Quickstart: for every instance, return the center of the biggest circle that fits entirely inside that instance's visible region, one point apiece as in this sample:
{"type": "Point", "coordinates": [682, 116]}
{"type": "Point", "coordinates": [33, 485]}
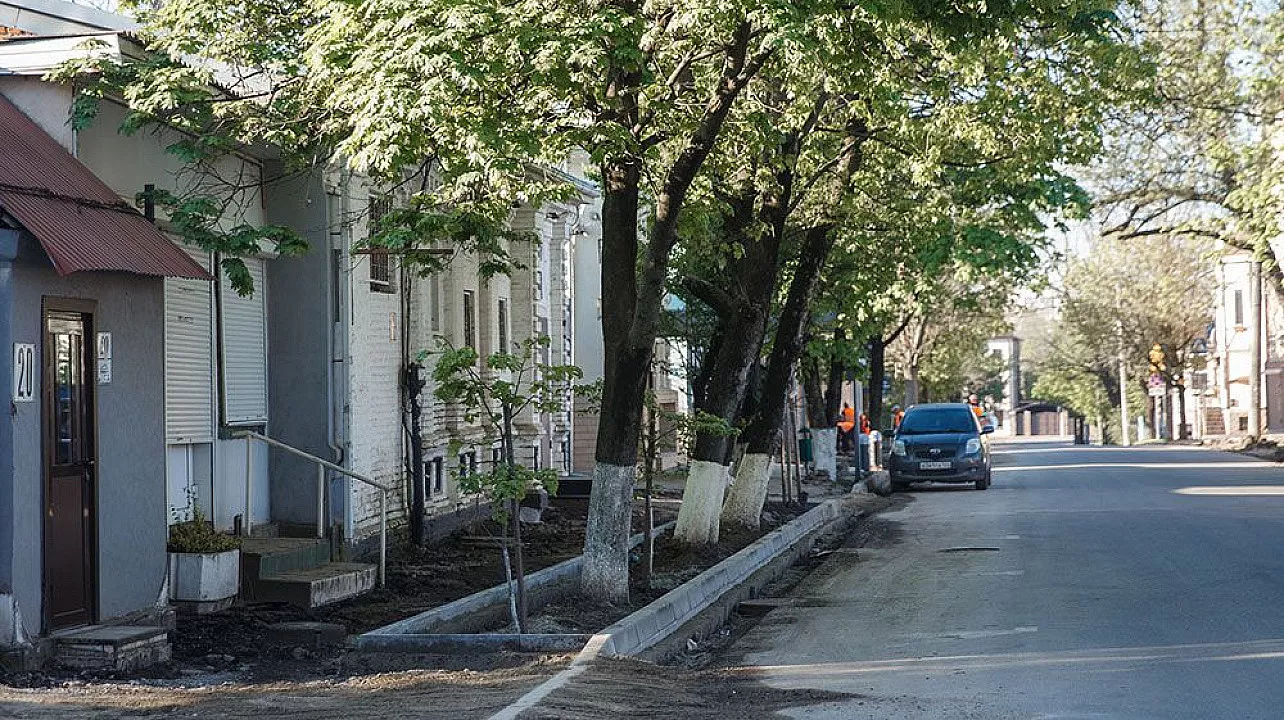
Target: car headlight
{"type": "Point", "coordinates": [898, 448]}
{"type": "Point", "coordinates": [973, 447]}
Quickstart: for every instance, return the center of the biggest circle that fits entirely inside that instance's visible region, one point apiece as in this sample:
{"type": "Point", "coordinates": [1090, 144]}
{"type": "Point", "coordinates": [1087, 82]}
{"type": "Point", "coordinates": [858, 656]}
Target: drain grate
{"type": "Point", "coordinates": [969, 549]}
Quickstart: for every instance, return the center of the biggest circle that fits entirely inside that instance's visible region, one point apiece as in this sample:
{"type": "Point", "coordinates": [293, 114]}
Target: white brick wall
{"type": "Point", "coordinates": [376, 442]}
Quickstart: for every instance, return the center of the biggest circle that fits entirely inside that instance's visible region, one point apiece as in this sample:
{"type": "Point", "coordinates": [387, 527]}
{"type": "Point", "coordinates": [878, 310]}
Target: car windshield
{"type": "Point", "coordinates": [938, 420]}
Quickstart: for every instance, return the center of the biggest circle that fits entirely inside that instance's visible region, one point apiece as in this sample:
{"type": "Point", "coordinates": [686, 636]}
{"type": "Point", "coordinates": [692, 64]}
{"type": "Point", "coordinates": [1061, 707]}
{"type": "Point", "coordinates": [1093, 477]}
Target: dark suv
{"type": "Point", "coordinates": [941, 443]}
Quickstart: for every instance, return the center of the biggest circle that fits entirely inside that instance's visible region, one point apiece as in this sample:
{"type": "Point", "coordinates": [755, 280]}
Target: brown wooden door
{"type": "Point", "coordinates": [70, 455]}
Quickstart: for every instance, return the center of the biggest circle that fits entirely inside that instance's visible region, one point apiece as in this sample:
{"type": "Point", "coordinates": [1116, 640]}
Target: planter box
{"type": "Point", "coordinates": [204, 582]}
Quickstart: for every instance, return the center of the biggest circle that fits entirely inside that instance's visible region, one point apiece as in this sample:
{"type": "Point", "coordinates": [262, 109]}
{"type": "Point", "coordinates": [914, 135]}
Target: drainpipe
{"type": "Point", "coordinates": [8, 254]}
{"type": "Point", "coordinates": [341, 356]}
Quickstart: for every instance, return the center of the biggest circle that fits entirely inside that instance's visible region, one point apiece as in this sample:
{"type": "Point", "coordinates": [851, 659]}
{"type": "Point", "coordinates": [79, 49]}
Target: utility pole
{"type": "Point", "coordinates": [1123, 400]}
{"type": "Point", "coordinates": [1255, 374]}
{"type": "Point", "coordinates": [1123, 386]}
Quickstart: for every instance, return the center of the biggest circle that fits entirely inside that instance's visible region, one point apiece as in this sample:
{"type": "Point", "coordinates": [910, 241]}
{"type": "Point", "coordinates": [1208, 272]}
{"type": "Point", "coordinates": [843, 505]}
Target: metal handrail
{"type": "Point", "coordinates": [323, 465]}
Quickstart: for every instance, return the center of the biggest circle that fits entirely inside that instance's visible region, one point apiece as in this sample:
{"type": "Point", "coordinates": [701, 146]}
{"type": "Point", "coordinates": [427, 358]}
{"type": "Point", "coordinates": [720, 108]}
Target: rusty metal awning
{"type": "Point", "coordinates": [80, 222]}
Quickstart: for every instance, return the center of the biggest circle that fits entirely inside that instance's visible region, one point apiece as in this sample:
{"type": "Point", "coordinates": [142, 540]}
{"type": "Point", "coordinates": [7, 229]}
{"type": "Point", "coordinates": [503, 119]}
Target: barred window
{"type": "Point", "coordinates": [381, 278]}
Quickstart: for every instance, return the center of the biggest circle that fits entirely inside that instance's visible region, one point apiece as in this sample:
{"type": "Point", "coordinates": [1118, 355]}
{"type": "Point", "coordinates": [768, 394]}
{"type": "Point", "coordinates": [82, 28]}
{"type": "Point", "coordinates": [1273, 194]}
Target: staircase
{"type": "Point", "coordinates": [298, 571]}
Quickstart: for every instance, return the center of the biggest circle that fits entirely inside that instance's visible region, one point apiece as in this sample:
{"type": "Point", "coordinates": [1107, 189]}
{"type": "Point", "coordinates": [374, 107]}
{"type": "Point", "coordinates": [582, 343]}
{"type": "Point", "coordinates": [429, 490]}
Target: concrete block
{"type": "Point", "coordinates": [306, 634]}
{"type": "Point", "coordinates": [112, 647]}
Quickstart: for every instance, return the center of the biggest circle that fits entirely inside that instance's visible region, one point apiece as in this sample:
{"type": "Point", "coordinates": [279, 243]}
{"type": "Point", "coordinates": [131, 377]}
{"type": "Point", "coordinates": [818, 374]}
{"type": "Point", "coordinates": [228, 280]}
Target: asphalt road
{"type": "Point", "coordinates": [1086, 583]}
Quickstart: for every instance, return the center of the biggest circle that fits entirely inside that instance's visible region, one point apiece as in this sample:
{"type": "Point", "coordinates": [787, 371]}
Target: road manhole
{"type": "Point", "coordinates": [974, 548]}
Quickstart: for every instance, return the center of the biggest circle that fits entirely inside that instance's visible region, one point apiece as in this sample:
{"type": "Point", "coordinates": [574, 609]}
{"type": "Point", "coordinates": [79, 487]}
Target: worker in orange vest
{"type": "Point", "coordinates": [865, 427]}
{"type": "Point", "coordinates": [845, 427]}
{"type": "Point", "coordinates": [897, 415]}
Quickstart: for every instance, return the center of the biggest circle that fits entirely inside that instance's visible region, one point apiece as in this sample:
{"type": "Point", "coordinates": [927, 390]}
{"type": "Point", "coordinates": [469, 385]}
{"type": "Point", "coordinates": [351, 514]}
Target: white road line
{"type": "Point", "coordinates": [971, 634]}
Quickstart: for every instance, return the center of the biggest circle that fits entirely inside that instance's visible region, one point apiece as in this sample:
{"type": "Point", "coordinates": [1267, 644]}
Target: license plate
{"type": "Point", "coordinates": [935, 465]}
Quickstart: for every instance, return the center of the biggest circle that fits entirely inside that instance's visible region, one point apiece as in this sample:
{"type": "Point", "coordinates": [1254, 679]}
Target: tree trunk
{"type": "Point", "coordinates": [414, 385]}
{"type": "Point", "coordinates": [877, 374]}
{"type": "Point", "coordinates": [743, 308]}
{"type": "Point", "coordinates": [605, 573]}
{"type": "Point", "coordinates": [510, 462]}
{"type": "Point", "coordinates": [1183, 427]}
{"type": "Point", "coordinates": [763, 433]}
{"type": "Point", "coordinates": [817, 416]}
{"type": "Point", "coordinates": [632, 301]}
{"type": "Point", "coordinates": [911, 385]}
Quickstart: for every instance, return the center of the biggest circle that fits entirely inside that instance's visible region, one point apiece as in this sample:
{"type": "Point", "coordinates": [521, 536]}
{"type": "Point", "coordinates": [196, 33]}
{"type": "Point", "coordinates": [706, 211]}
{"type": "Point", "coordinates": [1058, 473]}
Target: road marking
{"type": "Point", "coordinates": [1233, 491]}
{"type": "Point", "coordinates": [972, 634]}
{"type": "Point", "coordinates": [1174, 466]}
{"type": "Point", "coordinates": [995, 573]}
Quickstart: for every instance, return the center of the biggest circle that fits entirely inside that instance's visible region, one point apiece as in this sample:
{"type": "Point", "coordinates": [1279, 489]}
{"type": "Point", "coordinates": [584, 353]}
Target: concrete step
{"type": "Point", "coordinates": [111, 647]}
{"type": "Point", "coordinates": [317, 586]}
{"type": "Point", "coordinates": [273, 555]}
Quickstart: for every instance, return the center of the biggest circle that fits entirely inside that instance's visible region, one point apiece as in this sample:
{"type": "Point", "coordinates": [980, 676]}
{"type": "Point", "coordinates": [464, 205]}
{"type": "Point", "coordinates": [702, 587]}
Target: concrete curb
{"type": "Point", "coordinates": [655, 622]}
{"type": "Point", "coordinates": [658, 621]}
{"type": "Point", "coordinates": [476, 642]}
{"type": "Point", "coordinates": [484, 609]}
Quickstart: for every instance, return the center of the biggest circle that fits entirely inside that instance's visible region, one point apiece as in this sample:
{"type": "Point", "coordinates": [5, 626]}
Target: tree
{"type": "Point", "coordinates": [1121, 298]}
{"type": "Point", "coordinates": [485, 93]}
{"type": "Point", "coordinates": [1200, 156]}
{"type": "Point", "coordinates": [495, 393]}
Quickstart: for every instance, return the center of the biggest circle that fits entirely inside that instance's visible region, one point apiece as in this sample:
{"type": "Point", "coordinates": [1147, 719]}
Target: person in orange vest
{"type": "Point", "coordinates": [865, 427]}
{"type": "Point", "coordinates": [977, 408]}
{"type": "Point", "coordinates": [845, 427]}
{"type": "Point", "coordinates": [897, 415]}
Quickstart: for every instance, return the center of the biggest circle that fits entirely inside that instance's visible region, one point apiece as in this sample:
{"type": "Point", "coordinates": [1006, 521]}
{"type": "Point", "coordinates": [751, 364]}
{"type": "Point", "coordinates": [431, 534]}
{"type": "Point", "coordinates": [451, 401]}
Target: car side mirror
{"type": "Point", "coordinates": [987, 429]}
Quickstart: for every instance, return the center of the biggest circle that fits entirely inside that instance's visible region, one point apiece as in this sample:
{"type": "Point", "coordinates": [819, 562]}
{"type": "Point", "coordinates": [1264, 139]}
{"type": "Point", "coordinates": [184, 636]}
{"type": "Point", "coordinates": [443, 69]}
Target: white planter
{"type": "Point", "coordinates": [204, 577]}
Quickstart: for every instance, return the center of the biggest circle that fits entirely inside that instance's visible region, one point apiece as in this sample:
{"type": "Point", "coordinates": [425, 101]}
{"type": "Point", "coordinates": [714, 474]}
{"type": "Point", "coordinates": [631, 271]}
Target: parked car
{"type": "Point", "coordinates": [942, 442]}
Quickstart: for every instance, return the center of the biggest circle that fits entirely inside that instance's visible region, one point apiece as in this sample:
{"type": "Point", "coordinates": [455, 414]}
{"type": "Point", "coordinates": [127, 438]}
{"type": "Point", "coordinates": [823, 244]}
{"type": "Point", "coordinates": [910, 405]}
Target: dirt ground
{"type": "Point", "coordinates": [621, 689]}
{"type": "Point", "coordinates": [234, 645]}
{"type": "Point", "coordinates": [426, 694]}
{"type": "Point", "coordinates": [284, 683]}
{"type": "Point", "coordinates": [675, 563]}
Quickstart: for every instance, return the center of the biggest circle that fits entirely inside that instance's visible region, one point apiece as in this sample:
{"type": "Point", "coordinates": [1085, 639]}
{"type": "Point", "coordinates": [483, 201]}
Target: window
{"type": "Point", "coordinates": [566, 455]}
{"type": "Point", "coordinates": [496, 457]}
{"type": "Point", "coordinates": [535, 458]}
{"type": "Point", "coordinates": [434, 291]}
{"type": "Point", "coordinates": [1239, 308]}
{"type": "Point", "coordinates": [435, 472]}
{"type": "Point", "coordinates": [468, 463]}
{"type": "Point", "coordinates": [501, 316]}
{"type": "Point", "coordinates": [470, 319]}
{"type": "Point", "coordinates": [539, 284]}
{"type": "Point", "coordinates": [380, 258]}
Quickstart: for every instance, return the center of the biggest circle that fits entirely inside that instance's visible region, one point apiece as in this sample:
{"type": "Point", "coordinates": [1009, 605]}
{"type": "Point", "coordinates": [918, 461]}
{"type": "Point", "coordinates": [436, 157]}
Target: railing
{"type": "Point", "coordinates": [322, 466]}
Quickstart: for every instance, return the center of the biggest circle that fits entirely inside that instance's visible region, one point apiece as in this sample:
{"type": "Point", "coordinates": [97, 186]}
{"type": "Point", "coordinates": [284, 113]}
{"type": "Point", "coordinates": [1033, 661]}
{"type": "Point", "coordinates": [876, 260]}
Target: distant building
{"type": "Point", "coordinates": [1008, 348]}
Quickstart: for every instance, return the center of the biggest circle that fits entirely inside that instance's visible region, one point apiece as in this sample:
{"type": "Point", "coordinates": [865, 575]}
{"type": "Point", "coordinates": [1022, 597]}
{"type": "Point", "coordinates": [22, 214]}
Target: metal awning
{"type": "Point", "coordinates": [80, 222]}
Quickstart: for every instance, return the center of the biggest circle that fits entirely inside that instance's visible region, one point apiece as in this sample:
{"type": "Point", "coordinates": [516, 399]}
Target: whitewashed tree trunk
{"type": "Point", "coordinates": [824, 451]}
{"type": "Point", "coordinates": [605, 572]}
{"type": "Point", "coordinates": [701, 509]}
{"type": "Point", "coordinates": [749, 492]}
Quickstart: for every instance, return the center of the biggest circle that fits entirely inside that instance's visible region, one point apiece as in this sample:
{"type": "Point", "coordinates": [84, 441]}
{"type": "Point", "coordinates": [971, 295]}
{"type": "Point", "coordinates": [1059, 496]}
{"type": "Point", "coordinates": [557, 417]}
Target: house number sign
{"type": "Point", "coordinates": [104, 358]}
{"type": "Point", "coordinates": [24, 372]}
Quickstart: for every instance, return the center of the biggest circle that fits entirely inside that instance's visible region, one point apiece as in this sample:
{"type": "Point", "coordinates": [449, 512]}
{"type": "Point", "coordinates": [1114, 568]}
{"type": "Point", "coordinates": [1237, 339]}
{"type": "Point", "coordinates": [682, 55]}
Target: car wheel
{"type": "Point", "coordinates": [983, 483]}
{"type": "Point", "coordinates": [900, 487]}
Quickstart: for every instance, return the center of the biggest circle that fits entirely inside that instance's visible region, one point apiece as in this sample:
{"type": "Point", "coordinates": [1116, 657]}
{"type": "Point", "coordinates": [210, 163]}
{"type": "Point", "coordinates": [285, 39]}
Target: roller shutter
{"type": "Point", "coordinates": [189, 358]}
{"type": "Point", "coordinates": [245, 350]}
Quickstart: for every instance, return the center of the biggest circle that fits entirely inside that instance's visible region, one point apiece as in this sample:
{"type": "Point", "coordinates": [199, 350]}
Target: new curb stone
{"type": "Point", "coordinates": [475, 613]}
{"type": "Point", "coordinates": [658, 621]}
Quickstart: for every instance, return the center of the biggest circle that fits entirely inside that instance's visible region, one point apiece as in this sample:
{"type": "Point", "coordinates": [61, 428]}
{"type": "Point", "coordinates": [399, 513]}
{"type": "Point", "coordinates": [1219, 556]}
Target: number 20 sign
{"type": "Point", "coordinates": [24, 372]}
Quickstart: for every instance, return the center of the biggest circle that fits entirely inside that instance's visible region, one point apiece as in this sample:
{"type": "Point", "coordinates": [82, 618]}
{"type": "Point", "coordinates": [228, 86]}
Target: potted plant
{"type": "Point", "coordinates": [204, 565]}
